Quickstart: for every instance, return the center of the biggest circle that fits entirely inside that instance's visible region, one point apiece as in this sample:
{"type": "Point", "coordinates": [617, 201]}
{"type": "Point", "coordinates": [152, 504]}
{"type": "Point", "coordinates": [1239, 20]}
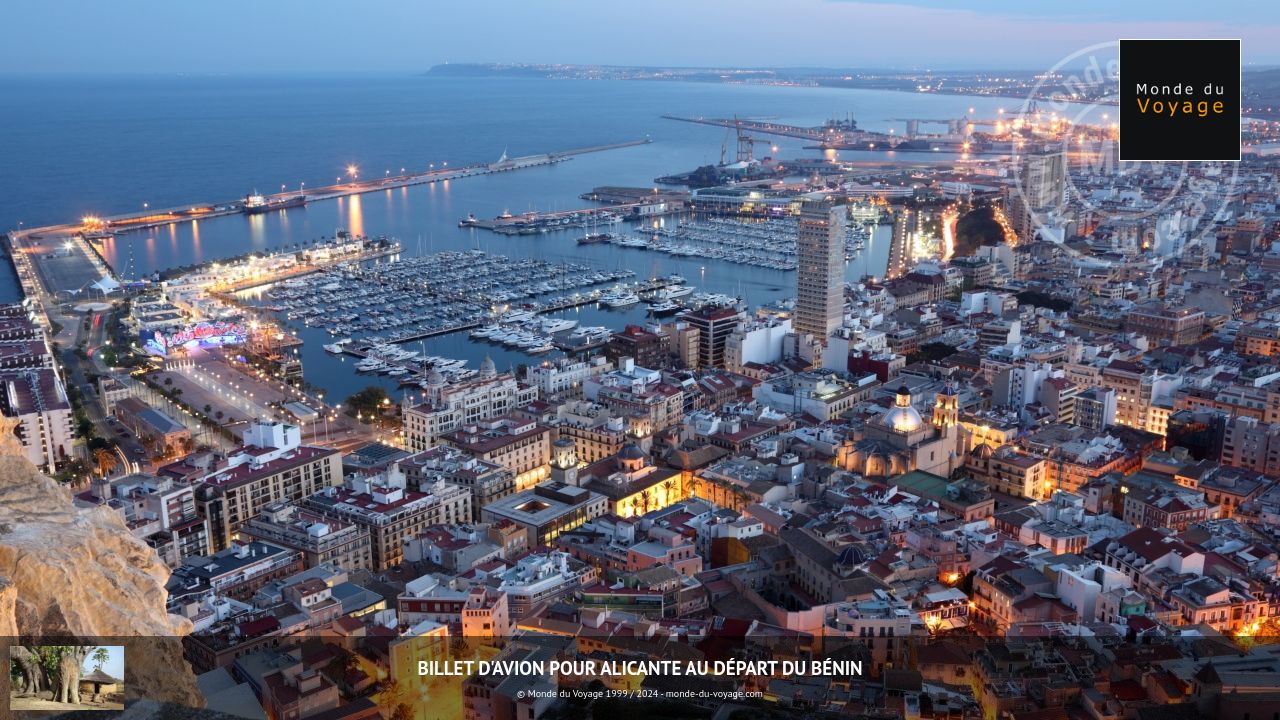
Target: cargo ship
{"type": "Point", "coordinates": [255, 203]}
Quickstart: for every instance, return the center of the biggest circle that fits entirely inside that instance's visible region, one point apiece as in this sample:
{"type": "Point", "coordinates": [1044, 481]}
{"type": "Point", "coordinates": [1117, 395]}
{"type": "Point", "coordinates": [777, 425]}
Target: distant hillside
{"type": "Point", "coordinates": [488, 70]}
{"type": "Point", "coordinates": [1261, 90]}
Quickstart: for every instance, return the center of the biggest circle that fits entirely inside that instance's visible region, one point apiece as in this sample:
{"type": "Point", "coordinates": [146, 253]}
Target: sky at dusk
{"type": "Point", "coordinates": [402, 36]}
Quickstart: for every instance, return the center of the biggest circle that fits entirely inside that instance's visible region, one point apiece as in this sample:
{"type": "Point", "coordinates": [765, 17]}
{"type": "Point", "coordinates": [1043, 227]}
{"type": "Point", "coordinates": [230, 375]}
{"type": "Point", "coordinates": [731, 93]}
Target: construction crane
{"type": "Point", "coordinates": [746, 146]}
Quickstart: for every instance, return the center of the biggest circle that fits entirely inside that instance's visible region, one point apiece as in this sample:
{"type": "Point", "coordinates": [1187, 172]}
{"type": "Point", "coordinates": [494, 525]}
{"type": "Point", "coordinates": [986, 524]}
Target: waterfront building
{"type": "Point", "coordinates": [820, 270]}
{"type": "Point", "coordinates": [714, 326]}
{"type": "Point", "coordinates": [564, 377]}
{"type": "Point", "coordinates": [161, 433]}
{"type": "Point", "coordinates": [445, 407]}
{"type": "Point", "coordinates": [647, 346]}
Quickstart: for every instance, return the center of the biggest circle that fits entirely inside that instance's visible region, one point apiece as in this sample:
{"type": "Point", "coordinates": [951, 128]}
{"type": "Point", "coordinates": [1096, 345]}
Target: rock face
{"type": "Point", "coordinates": [68, 571]}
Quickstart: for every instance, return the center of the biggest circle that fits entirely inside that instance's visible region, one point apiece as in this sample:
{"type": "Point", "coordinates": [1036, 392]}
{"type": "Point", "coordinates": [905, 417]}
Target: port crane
{"type": "Point", "coordinates": [746, 144]}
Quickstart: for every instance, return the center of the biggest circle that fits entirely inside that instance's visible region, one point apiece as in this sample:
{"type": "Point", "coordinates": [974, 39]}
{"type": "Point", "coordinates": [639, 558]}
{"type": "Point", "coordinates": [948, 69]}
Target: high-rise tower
{"type": "Point", "coordinates": [820, 274]}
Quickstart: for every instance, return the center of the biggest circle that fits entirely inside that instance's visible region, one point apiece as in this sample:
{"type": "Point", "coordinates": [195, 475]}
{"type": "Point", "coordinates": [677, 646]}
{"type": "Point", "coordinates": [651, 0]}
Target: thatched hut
{"type": "Point", "coordinates": [98, 685]}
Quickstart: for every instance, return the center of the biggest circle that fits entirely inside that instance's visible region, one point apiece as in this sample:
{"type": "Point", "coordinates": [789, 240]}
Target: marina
{"type": "Point", "coordinates": [768, 243]}
{"type": "Point", "coordinates": [503, 300]}
{"type": "Point", "coordinates": [423, 296]}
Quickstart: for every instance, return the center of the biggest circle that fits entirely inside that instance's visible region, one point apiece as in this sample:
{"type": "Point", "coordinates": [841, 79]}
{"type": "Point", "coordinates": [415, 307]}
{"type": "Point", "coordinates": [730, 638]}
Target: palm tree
{"type": "Point", "coordinates": [106, 461]}
{"type": "Point", "coordinates": [670, 487]}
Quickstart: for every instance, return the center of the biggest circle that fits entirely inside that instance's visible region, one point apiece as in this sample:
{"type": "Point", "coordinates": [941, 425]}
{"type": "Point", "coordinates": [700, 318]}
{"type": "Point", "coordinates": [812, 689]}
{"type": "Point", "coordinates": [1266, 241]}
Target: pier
{"type": "Point", "coordinates": [152, 218]}
{"type": "Point", "coordinates": [32, 247]}
{"type": "Point", "coordinates": [534, 223]}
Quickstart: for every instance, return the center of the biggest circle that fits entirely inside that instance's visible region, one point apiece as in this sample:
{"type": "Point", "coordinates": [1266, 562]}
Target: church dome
{"type": "Point", "coordinates": [631, 451]}
{"type": "Point", "coordinates": [487, 368]}
{"type": "Point", "coordinates": [435, 377]}
{"type": "Point", "coordinates": [903, 419]}
{"type": "Point", "coordinates": [851, 555]}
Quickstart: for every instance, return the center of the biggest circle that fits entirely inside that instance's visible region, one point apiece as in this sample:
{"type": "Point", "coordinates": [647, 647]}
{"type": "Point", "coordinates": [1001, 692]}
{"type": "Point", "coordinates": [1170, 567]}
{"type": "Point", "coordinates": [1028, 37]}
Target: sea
{"type": "Point", "coordinates": [77, 146]}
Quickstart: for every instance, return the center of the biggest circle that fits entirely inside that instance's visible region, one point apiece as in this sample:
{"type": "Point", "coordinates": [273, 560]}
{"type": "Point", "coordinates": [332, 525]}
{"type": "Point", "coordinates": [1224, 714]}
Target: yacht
{"type": "Point", "coordinates": [671, 292]}
{"type": "Point", "coordinates": [618, 300]}
{"type": "Point", "coordinates": [555, 325]}
{"type": "Point", "coordinates": [664, 307]}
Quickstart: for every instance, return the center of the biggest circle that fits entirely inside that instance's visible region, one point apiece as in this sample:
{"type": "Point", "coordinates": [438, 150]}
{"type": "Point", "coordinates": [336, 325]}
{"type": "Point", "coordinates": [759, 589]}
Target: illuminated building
{"type": "Point", "coordinates": [449, 406]}
{"type": "Point", "coordinates": [900, 441]}
{"type": "Point", "coordinates": [632, 484]}
{"type": "Point", "coordinates": [517, 444]}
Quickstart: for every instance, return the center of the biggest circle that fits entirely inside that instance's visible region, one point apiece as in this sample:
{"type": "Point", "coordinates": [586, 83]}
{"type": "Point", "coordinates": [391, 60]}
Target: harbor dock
{"type": "Point", "coordinates": [60, 261]}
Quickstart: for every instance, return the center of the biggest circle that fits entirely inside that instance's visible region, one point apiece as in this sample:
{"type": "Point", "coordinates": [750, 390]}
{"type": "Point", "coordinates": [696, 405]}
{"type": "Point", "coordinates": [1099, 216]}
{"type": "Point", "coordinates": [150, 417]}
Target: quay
{"type": "Point", "coordinates": [310, 268]}
{"type": "Point", "coordinates": [56, 262]}
{"type": "Point", "coordinates": [534, 223]}
{"type": "Point", "coordinates": [764, 128]}
{"type": "Point", "coordinates": [152, 218]}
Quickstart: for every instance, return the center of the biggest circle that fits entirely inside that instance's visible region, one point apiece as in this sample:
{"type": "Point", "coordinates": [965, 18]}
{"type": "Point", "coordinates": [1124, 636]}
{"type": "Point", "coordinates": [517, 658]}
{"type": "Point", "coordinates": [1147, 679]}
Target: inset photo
{"type": "Point", "coordinates": [53, 679]}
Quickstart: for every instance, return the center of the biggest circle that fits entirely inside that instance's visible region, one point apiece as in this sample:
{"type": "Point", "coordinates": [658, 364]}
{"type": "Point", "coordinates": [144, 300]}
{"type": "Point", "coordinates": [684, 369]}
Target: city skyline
{"type": "Point", "coordinates": [638, 354]}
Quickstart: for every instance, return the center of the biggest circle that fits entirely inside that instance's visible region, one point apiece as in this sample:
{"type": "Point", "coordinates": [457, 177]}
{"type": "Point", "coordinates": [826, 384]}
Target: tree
{"type": "Point", "coordinates": [55, 667]}
{"type": "Point", "coordinates": [391, 693]}
{"type": "Point", "coordinates": [402, 712]}
{"type": "Point", "coordinates": [368, 401]}
{"type": "Point", "coordinates": [208, 408]}
{"type": "Point", "coordinates": [168, 381]}
{"type": "Point", "coordinates": [99, 657]}
{"type": "Point", "coordinates": [218, 415]}
{"type": "Point", "coordinates": [105, 460]}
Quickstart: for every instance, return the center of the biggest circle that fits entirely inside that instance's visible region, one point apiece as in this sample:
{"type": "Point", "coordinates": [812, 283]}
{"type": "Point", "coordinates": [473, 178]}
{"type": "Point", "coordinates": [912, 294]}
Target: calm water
{"type": "Point", "coordinates": [107, 146]}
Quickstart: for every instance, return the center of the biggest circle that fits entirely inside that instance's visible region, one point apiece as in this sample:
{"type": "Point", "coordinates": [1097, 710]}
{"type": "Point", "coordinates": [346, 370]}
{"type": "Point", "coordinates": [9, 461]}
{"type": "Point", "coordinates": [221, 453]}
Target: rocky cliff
{"type": "Point", "coordinates": [69, 571]}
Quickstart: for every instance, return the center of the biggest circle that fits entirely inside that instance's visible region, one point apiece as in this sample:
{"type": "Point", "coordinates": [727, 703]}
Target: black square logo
{"type": "Point", "coordinates": [1180, 100]}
